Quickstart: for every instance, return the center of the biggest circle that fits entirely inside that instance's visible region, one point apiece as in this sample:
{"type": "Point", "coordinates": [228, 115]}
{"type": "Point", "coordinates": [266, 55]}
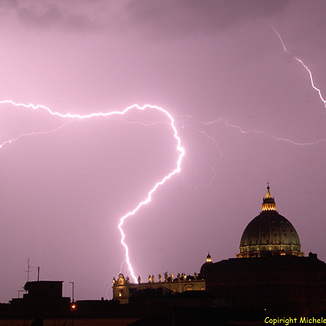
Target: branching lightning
{"type": "Point", "coordinates": [181, 151]}
{"type": "Point", "coordinates": [35, 133]}
{"type": "Point", "coordinates": [260, 132]}
{"type": "Point", "coordinates": [148, 198]}
{"type": "Point", "coordinates": [303, 65]}
{"type": "Point", "coordinates": [186, 124]}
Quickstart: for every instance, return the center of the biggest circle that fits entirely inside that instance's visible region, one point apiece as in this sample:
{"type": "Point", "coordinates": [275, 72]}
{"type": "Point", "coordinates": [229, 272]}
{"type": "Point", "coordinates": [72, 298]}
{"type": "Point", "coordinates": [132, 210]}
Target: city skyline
{"type": "Point", "coordinates": [244, 107]}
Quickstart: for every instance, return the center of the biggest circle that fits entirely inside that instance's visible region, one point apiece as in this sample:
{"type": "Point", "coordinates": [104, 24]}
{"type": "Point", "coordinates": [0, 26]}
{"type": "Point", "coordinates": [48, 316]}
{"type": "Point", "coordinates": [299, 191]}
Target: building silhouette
{"type": "Point", "coordinates": [269, 278]}
{"type": "Point", "coordinates": [42, 296]}
{"type": "Point", "coordinates": [271, 272]}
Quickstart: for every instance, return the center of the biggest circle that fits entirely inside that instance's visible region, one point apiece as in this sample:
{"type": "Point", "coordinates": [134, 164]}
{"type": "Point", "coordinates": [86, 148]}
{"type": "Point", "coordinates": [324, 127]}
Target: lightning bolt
{"type": "Point", "coordinates": [186, 124]}
{"type": "Point", "coordinates": [261, 132]}
{"type": "Point", "coordinates": [35, 133]}
{"type": "Point", "coordinates": [148, 198]}
{"type": "Point", "coordinates": [303, 65]}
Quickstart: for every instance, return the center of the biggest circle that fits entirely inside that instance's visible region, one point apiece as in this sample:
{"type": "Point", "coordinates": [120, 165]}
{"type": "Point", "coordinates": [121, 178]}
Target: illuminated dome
{"type": "Point", "coordinates": [269, 234]}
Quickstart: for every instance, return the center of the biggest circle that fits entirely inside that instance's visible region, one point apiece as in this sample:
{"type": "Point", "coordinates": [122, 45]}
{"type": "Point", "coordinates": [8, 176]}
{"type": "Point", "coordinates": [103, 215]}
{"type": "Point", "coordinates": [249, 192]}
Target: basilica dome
{"type": "Point", "coordinates": [269, 234]}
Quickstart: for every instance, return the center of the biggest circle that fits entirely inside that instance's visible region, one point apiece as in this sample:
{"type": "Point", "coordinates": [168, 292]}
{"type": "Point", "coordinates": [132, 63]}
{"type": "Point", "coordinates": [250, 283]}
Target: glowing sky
{"type": "Point", "coordinates": [244, 109]}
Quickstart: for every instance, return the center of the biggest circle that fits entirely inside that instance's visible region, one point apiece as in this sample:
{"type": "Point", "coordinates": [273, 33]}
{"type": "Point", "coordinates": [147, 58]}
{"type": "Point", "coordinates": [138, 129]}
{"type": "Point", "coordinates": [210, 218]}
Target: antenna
{"type": "Point", "coordinates": [28, 268]}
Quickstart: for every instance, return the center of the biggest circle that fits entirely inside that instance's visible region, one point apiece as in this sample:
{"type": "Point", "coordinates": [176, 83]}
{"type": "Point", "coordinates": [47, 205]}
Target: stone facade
{"type": "Point", "coordinates": [123, 290]}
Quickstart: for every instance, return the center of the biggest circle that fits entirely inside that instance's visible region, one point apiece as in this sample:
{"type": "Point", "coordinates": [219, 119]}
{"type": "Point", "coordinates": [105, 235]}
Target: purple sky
{"type": "Point", "coordinates": [245, 111]}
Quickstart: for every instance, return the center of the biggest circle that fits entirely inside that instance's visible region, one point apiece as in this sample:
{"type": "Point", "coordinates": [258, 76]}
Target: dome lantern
{"type": "Point", "coordinates": [268, 201]}
{"type": "Point", "coordinates": [208, 258]}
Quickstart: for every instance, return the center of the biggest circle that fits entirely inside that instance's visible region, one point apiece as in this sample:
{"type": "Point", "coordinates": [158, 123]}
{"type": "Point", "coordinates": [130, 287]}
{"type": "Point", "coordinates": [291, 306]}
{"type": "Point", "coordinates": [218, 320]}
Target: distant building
{"type": "Point", "coordinates": [42, 297]}
{"type": "Point", "coordinates": [124, 291]}
{"type": "Point", "coordinates": [270, 272]}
